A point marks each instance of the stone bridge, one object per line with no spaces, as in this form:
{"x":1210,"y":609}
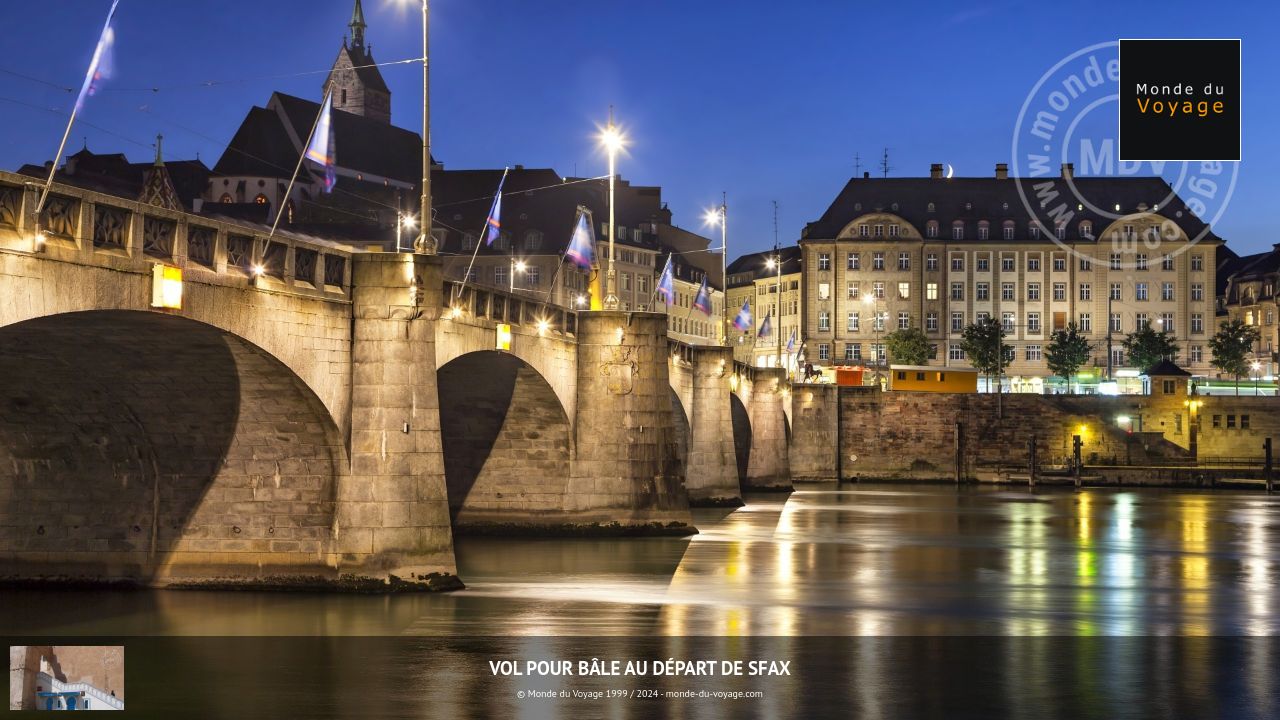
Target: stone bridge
{"x":314,"y":414}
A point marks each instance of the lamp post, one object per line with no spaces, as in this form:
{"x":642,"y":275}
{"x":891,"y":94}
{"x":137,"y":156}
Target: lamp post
{"x":406,"y":222}
{"x":612,"y":139}
{"x":870,"y":299}
{"x":516,"y":266}
{"x":720,"y":216}
{"x":775,"y":263}
{"x":1257,"y":368}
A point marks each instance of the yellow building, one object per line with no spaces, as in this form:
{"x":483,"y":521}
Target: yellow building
{"x":925,"y":378}
{"x":942,"y":253}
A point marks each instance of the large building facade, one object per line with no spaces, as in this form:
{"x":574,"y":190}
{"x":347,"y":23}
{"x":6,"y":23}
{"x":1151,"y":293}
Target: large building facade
{"x":1249,"y":294}
{"x":769,"y":291}
{"x":940,"y":253}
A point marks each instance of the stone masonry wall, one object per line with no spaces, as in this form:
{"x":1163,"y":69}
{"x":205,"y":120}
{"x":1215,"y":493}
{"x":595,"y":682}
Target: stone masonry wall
{"x":151,"y":448}
{"x":711,"y":473}
{"x":625,"y":470}
{"x":768,"y":468}
{"x":506,"y":441}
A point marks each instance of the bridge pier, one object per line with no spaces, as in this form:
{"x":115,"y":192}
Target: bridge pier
{"x":392,"y":517}
{"x":625,"y":474}
{"x":711,"y":473}
{"x":768,"y":467}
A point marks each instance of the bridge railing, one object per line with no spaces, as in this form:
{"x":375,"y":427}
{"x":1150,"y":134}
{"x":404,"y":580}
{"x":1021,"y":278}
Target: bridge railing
{"x":487,"y":303}
{"x":88,"y":227}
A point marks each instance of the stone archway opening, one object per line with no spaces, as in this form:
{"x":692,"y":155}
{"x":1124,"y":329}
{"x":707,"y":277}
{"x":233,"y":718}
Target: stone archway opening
{"x":151,"y":448}
{"x":507,"y":443}
{"x":741,"y":436}
{"x":680,"y":429}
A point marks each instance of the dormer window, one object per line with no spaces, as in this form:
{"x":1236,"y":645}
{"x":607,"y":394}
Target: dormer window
{"x":931,"y":227}
{"x":957,"y":230}
{"x":1086,"y":229}
{"x":931,"y":207}
{"x":1007,"y":230}
{"x":984,"y":230}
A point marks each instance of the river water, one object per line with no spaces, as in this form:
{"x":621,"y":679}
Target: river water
{"x":882,"y":582}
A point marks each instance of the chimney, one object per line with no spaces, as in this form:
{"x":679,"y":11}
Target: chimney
{"x":1002,"y":171}
{"x":935,"y":171}
{"x":1068,"y":170}
{"x":866,"y":174}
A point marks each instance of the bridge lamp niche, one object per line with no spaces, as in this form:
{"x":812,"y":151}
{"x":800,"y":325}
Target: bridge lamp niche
{"x":543,"y":326}
{"x":503,"y":341}
{"x":166,"y":287}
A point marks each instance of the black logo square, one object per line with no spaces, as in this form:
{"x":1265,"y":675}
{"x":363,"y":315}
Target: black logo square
{"x":1180,"y":100}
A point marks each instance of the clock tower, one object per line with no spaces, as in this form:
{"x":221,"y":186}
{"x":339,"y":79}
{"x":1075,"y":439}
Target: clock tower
{"x":358,"y":87}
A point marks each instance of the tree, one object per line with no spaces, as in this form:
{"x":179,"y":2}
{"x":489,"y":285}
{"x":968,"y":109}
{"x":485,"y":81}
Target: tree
{"x":1147,"y":347}
{"x":983,"y":344}
{"x":907,"y":347}
{"x":1066,"y":352}
{"x":1231,"y":346}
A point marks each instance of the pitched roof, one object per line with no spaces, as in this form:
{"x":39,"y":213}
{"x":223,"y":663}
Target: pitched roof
{"x":263,"y":146}
{"x":113,"y":174}
{"x":1165,"y":368}
{"x":972,"y":199}
{"x":366,"y":68}
{"x":754,"y":266}
{"x":538,"y":200}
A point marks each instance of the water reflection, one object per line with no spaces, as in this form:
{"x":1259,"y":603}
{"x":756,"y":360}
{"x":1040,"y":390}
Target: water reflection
{"x":827,"y":560}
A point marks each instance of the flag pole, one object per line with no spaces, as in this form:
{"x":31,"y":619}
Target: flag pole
{"x":75,"y":110}
{"x":476,"y":250}
{"x":301,"y":156}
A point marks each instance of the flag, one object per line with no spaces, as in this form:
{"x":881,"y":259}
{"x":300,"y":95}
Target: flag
{"x":320,"y":149}
{"x":702,"y":300}
{"x":582,"y":247}
{"x":743,"y":320}
{"x":766,"y":327}
{"x":493,"y":225}
{"x":791,"y":341}
{"x":100,"y":65}
{"x":666,"y":284}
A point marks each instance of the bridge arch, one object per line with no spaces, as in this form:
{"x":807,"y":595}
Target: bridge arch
{"x":741,"y":435}
{"x":309,"y":334}
{"x":507,"y":440}
{"x":150,"y":447}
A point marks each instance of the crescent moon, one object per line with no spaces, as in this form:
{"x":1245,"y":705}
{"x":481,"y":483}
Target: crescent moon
{"x":950,"y":171}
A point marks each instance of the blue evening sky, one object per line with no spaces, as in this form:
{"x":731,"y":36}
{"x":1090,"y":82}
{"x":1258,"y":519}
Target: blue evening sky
{"x":763,"y":100}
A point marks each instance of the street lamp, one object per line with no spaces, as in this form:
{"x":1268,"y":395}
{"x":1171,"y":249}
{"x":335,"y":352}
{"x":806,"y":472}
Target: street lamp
{"x":1257,"y":367}
{"x":720,"y":216}
{"x":613,"y":140}
{"x":407,"y":222}
{"x":517,"y":266}
{"x":422,"y":244}
{"x":870,"y":299}
{"x":775,"y":263}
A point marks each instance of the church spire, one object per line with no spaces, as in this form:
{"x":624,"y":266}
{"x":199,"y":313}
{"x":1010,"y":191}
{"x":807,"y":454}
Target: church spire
{"x":357,"y":26}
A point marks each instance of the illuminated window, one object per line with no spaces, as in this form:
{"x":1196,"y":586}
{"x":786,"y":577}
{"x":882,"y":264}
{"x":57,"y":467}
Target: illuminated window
{"x":261,"y":199}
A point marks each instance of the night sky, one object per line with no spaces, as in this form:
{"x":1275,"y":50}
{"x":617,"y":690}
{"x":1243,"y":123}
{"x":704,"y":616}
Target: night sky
{"x":763,"y":100}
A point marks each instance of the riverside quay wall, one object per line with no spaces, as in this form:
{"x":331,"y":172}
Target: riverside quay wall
{"x":865,"y":434}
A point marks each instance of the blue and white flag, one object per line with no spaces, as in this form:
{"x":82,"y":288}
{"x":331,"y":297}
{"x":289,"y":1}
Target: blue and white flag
{"x":320,"y":149}
{"x":743,"y":321}
{"x":100,"y":65}
{"x":666,"y":284}
{"x":702,"y":301}
{"x":791,"y":341}
{"x":582,"y":248}
{"x":493,"y":225}
{"x":766,"y":327}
